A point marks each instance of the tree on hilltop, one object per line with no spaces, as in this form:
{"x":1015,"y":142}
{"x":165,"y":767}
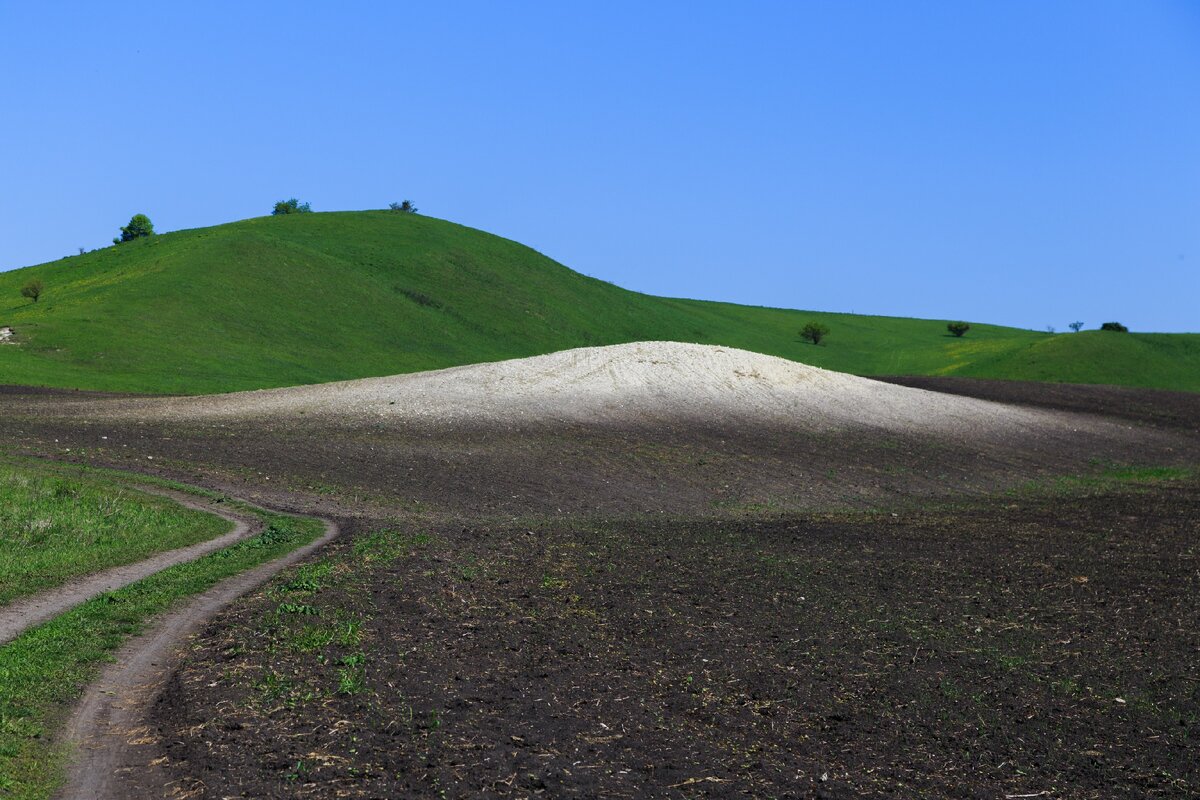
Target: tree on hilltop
{"x":404,"y":208}
{"x":291,"y":206}
{"x":1075,"y":326}
{"x":958,"y":328}
{"x":1114,"y":326}
{"x":139,"y":227}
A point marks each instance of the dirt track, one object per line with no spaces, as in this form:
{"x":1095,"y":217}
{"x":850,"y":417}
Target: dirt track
{"x":109,"y":727}
{"x":26,"y":612}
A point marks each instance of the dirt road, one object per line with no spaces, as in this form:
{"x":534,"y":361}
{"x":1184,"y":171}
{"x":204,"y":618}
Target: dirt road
{"x":108,"y":729}
{"x":25,"y":613}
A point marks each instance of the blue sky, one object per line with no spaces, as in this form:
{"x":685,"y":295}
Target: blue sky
{"x":1025,"y":163}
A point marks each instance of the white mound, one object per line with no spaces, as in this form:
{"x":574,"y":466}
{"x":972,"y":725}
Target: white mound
{"x":629,"y":382}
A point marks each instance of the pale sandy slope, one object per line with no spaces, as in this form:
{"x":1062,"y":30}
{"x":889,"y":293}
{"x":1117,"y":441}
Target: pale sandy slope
{"x":639,"y":382}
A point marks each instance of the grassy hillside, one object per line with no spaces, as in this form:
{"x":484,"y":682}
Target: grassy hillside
{"x":277,"y":301}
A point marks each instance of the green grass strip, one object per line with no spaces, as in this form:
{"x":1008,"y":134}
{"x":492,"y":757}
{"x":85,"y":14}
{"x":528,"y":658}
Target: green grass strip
{"x":45,"y":670}
{"x":55,"y":527}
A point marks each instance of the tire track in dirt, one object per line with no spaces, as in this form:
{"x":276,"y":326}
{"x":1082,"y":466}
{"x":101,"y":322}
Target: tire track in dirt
{"x":108,"y":729}
{"x":27,"y":612}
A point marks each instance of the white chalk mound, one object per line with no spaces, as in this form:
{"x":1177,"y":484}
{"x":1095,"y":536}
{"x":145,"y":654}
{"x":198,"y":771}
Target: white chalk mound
{"x":620,"y":383}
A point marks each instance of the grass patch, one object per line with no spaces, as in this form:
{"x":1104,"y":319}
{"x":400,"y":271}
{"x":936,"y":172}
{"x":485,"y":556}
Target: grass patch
{"x":1105,"y":478}
{"x":319,"y":622}
{"x":1148,"y":474}
{"x":44,"y":671}
{"x":54,"y":527}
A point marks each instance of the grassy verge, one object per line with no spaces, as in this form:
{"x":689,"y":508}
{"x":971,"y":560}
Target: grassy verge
{"x":43,"y":671}
{"x":54,"y":527}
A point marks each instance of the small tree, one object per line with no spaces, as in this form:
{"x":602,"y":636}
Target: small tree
{"x":291,"y":206}
{"x":958,"y":328}
{"x":814,"y":332}
{"x":1114,"y":326}
{"x":139,"y":227}
{"x":33,"y":290}
{"x":1075,"y":326}
{"x":404,"y":208}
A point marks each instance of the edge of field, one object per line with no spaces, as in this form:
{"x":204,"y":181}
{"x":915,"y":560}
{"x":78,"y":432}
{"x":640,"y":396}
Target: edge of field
{"x":45,"y":671}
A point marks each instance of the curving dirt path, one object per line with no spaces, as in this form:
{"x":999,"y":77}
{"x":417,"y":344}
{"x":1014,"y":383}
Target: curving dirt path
{"x":25,"y":613}
{"x":108,"y":731}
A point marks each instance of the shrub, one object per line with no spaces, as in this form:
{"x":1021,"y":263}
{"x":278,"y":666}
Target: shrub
{"x":405,"y":207}
{"x":1114,"y":326}
{"x":814,"y":332}
{"x":33,"y":290}
{"x":958,"y":328}
{"x":291,"y":206}
{"x":139,"y":227}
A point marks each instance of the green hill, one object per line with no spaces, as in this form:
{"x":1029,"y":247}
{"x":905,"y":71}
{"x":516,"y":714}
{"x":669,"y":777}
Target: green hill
{"x":307,"y":298}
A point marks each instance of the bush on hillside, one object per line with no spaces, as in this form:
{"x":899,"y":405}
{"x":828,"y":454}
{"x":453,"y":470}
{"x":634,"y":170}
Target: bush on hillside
{"x":33,"y":289}
{"x":1114,"y":326}
{"x":958,"y":328}
{"x":291,"y":206}
{"x":405,"y":207}
{"x":139,"y":227}
{"x":814,"y":332}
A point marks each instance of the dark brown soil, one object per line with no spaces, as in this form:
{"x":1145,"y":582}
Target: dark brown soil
{"x":570,"y":469}
{"x":1154,"y":407}
{"x":691,"y":611}
{"x":1011,"y":647}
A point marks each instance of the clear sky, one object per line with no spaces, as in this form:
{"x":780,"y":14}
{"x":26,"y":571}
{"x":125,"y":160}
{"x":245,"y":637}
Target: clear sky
{"x":1025,"y":163}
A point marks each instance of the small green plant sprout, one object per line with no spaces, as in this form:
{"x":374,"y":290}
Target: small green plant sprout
{"x":1075,"y":326}
{"x":139,"y":227}
{"x":1114,"y":326}
{"x":405,"y":207}
{"x":33,"y":290}
{"x":814,"y":332}
{"x":291,"y":206}
{"x":958,"y":328}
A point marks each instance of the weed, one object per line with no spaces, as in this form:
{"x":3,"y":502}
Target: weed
{"x":551,"y":582}
{"x":388,"y":545}
{"x":350,"y":633}
{"x":299,"y":608}
{"x":350,"y":679}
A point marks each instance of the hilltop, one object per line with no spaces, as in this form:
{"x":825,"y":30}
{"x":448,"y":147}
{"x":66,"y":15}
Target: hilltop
{"x":310,"y":298}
